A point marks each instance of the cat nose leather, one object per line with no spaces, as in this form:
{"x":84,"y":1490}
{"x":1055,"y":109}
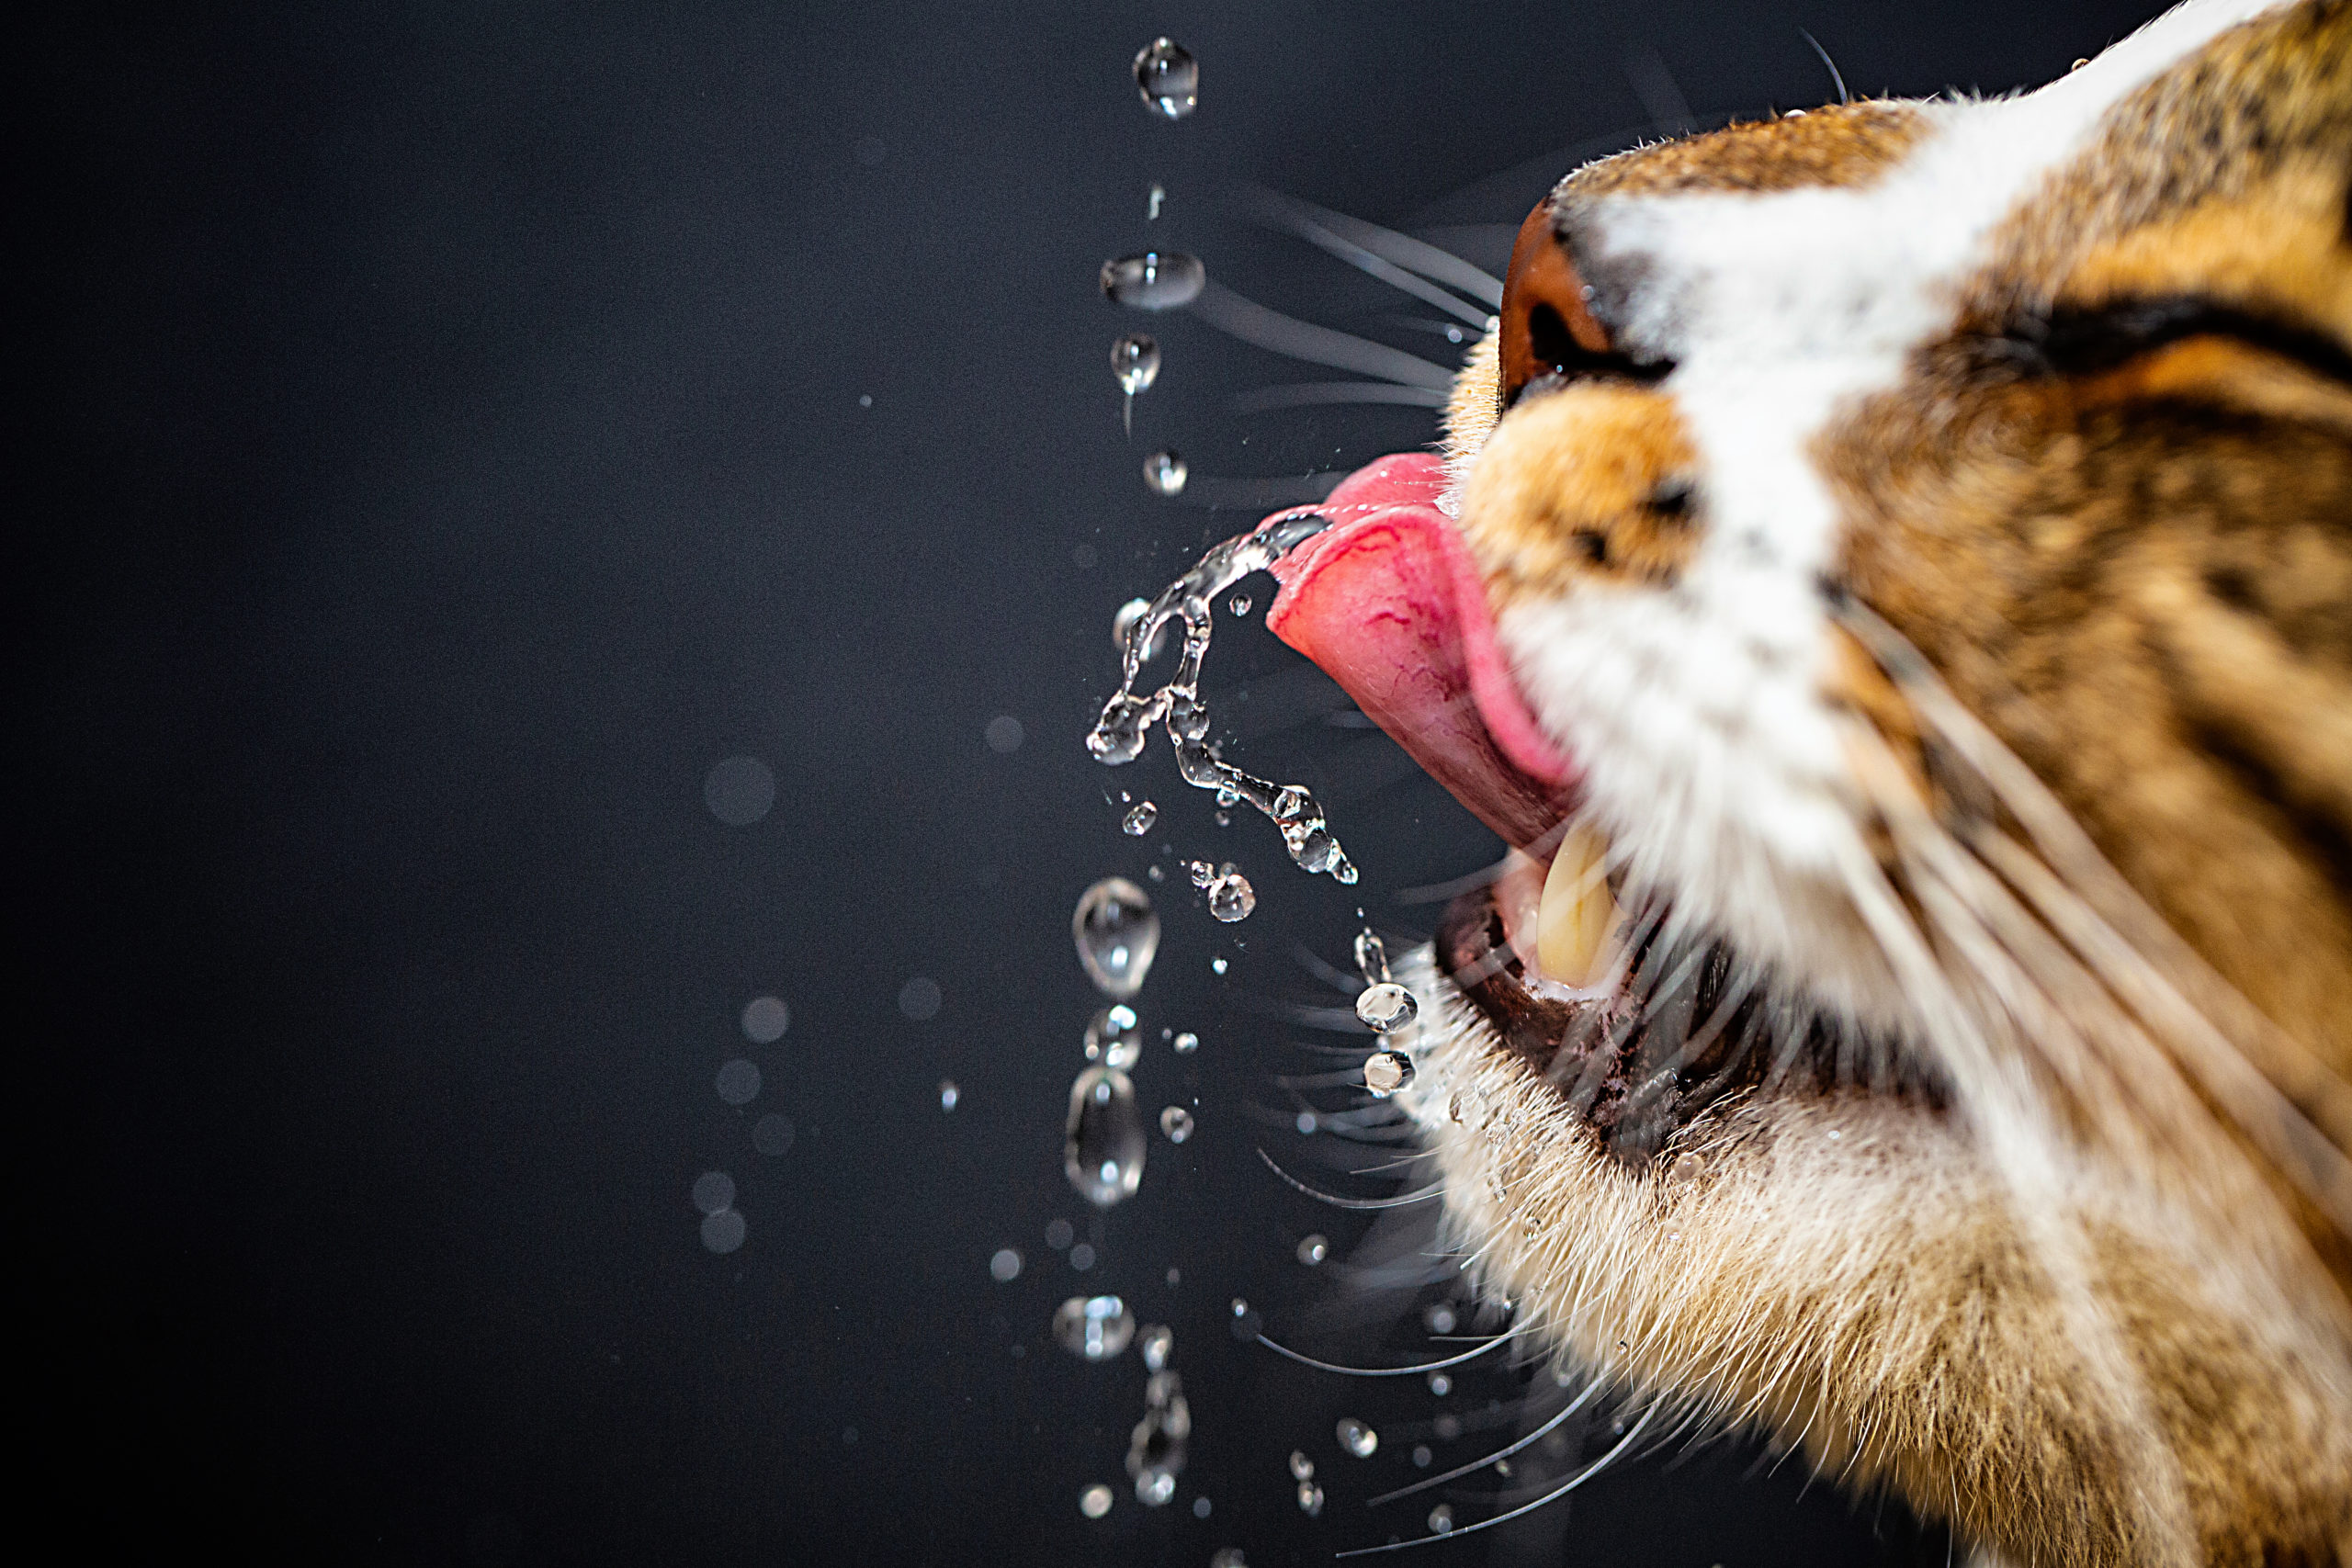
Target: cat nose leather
{"x":1548,"y":328}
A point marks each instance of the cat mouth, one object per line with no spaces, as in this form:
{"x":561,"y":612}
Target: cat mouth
{"x":1389,"y":602}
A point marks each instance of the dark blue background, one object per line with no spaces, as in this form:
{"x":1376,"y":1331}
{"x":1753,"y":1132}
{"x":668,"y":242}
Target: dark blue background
{"x":447,"y":443}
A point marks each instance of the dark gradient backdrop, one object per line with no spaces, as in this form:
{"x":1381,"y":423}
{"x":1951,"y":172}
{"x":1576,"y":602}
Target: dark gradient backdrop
{"x":452,"y":429}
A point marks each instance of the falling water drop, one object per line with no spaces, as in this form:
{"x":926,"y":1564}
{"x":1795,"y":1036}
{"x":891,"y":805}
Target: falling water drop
{"x":1187,"y":1043}
{"x":1165,"y":472}
{"x":1313,"y":1249}
{"x":1238,"y":605}
{"x":1385,"y":1072}
{"x":1231,"y":898}
{"x":1176,"y":1124}
{"x":1112,"y":1038}
{"x":1358,"y":1438}
{"x":1440,"y":1384}
{"x":1439,"y":1317}
{"x":1310,"y":1498}
{"x":1103,"y":1148}
{"x":1301,"y":1467}
{"x":1135,"y":360}
{"x":1159,"y":1344}
{"x":1441,"y":1520}
{"x":948,"y":1094}
{"x":1138,"y":821}
{"x":1372,"y":957}
{"x":1169,"y":77}
{"x":1117,"y":935}
{"x":1094,"y":1328}
{"x":1153,"y":280}
{"x":1095,"y":1501}
{"x":1219,"y":967}
{"x":1387,"y":1006}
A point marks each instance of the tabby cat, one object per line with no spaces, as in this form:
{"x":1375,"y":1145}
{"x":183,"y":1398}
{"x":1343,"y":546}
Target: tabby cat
{"x":1890,"y":576}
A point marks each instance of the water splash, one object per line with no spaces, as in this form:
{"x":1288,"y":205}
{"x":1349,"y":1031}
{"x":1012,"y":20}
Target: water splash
{"x":1119,"y":735}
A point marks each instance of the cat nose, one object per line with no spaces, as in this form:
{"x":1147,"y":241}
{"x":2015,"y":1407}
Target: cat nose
{"x":1548,"y":328}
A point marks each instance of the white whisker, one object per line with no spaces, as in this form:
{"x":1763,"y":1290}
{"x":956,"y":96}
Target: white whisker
{"x":1294,"y":339}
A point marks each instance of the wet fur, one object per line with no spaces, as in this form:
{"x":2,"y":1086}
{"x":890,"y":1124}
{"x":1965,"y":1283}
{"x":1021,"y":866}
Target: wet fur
{"x":2052,"y":786}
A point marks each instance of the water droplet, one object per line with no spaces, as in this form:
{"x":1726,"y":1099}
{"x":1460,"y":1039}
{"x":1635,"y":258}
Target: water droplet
{"x":1168,"y":77}
{"x":1238,"y":605}
{"x":1305,"y":1123}
{"x":1159,"y":1344}
{"x":723,"y":1231}
{"x":1310,"y":1498}
{"x":1387,"y":1006}
{"x":714,"y":1191}
{"x":1372,"y":957}
{"x":1440,"y":1384}
{"x":1153,"y":280}
{"x":1502,"y":1468}
{"x":1004,"y":1266}
{"x":948,"y":1094}
{"x":1219,"y":967}
{"x":1082,"y":1257}
{"x":1187,"y":1043}
{"x":1004,"y":734}
{"x":1155,"y":1488}
{"x":1131,"y":612}
{"x":1385,"y":1072}
{"x":1441,"y":1520}
{"x":765,"y":1019}
{"x":1228,"y":1557}
{"x":738,"y":1081}
{"x":1301,"y":1467}
{"x":1421,"y":1455}
{"x":1357,"y":1437}
{"x":1231,"y":898}
{"x":1058,"y":1234}
{"x":1117,"y":934}
{"x":1138,"y":821}
{"x":1111,"y":1038}
{"x":1153,"y":202}
{"x":1177,"y":1123}
{"x":1157,"y":874}
{"x":1687,"y":1169}
{"x":1200,"y":872}
{"x":1134,"y":361}
{"x":1103,"y":1148}
{"x":1165,"y":472}
{"x":772,"y":1134}
{"x":1095,"y":1501}
{"x":1446,"y":1427}
{"x":1438,"y":1317}
{"x":1313,"y":1249}
{"x":1094,"y":1328}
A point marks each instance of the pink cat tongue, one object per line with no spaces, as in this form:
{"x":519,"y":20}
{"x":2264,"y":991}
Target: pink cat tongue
{"x":1388,"y":603}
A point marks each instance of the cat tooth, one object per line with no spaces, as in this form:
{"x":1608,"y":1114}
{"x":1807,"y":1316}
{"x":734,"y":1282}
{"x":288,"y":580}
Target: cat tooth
{"x":1578,"y":917}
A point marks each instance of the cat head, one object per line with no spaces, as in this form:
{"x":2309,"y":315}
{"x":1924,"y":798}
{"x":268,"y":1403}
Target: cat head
{"x":1890,"y":576}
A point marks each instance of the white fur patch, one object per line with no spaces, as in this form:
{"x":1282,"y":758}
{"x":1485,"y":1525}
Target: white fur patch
{"x":1695,"y":710}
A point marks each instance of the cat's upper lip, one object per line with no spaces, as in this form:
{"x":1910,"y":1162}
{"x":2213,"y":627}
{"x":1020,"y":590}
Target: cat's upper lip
{"x":1389,"y":603}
